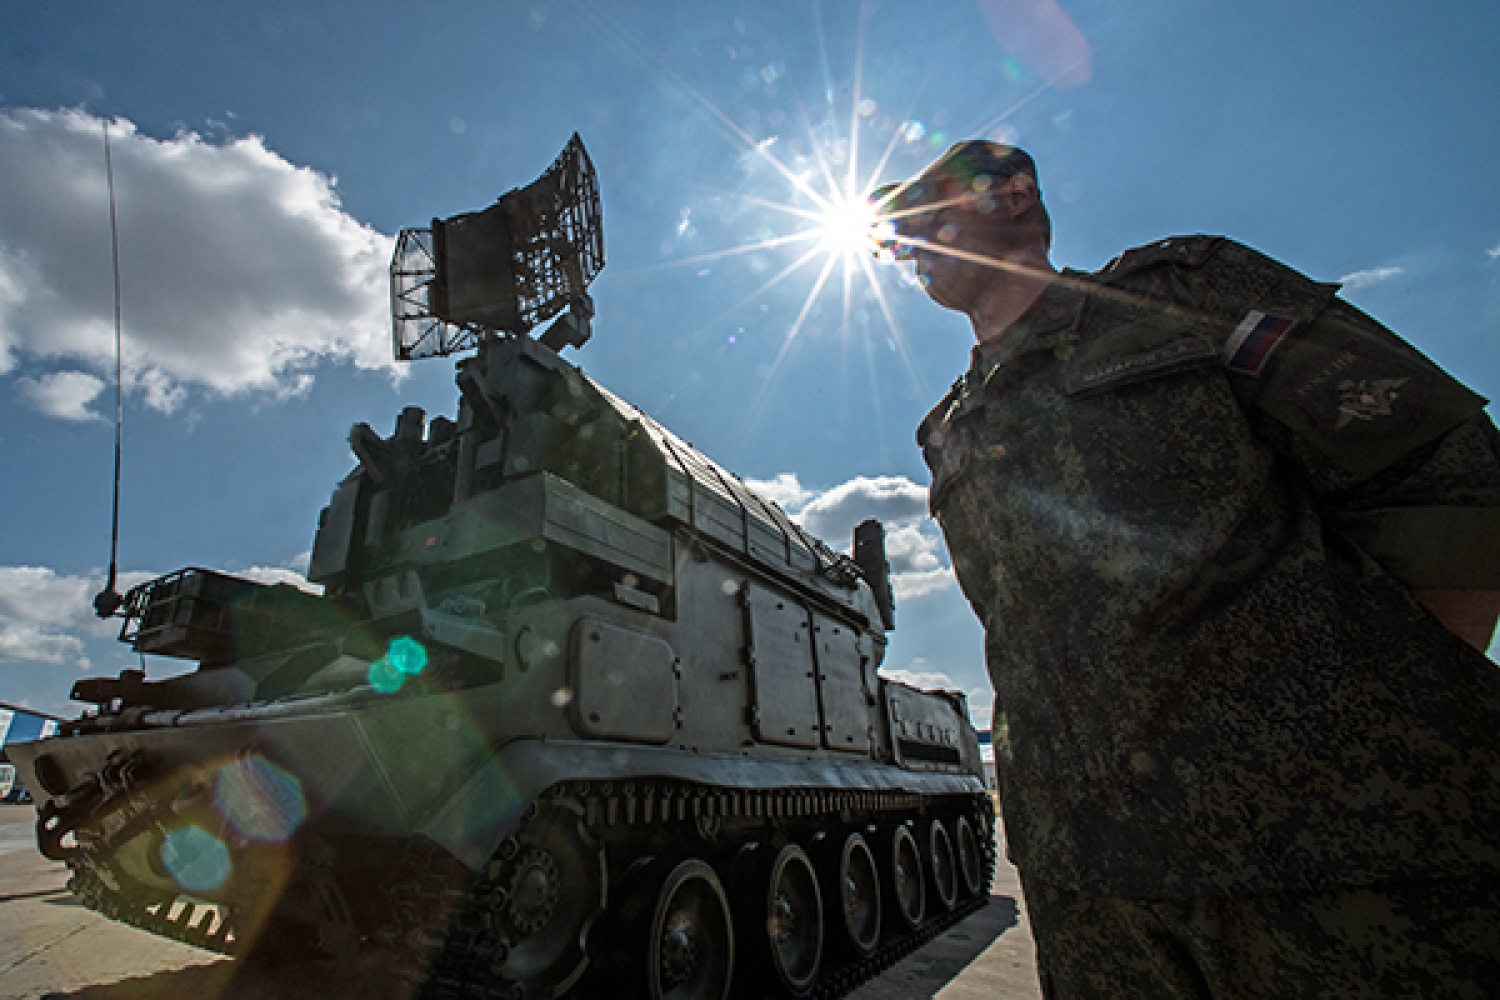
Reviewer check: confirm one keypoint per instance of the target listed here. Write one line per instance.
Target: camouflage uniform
(1189, 505)
(1438, 939)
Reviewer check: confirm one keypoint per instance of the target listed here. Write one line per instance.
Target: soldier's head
(977, 202)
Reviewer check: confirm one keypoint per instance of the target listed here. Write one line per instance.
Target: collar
(1049, 322)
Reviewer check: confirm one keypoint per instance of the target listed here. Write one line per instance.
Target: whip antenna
(108, 600)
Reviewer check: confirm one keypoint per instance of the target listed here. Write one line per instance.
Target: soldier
(1236, 550)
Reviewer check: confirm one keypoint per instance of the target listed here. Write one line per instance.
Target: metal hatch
(846, 697)
(779, 652)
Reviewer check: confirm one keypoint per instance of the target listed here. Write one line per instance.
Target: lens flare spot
(260, 800)
(384, 677)
(407, 654)
(196, 859)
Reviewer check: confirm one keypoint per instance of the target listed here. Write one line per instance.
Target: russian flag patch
(1252, 342)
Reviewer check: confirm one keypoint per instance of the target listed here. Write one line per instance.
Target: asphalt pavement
(52, 947)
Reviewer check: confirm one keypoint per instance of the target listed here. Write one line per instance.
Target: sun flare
(846, 226)
(809, 190)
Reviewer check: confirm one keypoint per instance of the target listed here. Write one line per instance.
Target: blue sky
(267, 153)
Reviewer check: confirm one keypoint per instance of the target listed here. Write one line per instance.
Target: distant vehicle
(19, 724)
(11, 789)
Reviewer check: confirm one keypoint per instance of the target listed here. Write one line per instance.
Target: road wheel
(941, 864)
(549, 890)
(690, 948)
(794, 921)
(859, 895)
(904, 877)
(970, 859)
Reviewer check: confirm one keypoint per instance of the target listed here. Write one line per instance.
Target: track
(644, 827)
(564, 909)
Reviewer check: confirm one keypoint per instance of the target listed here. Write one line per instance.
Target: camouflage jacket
(1189, 506)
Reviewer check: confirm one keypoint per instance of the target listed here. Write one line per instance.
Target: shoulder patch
(1252, 342)
(1109, 372)
(1356, 395)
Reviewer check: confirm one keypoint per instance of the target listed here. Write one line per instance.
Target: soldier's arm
(1433, 521)
(1400, 455)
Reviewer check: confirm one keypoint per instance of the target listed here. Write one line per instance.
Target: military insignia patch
(1252, 342)
(1353, 395)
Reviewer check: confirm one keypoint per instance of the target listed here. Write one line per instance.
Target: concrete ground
(989, 956)
(52, 947)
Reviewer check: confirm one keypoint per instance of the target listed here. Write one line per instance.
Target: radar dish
(506, 269)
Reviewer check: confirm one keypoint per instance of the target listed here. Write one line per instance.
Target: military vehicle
(576, 714)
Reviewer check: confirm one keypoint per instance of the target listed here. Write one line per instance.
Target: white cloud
(47, 618)
(1372, 276)
(279, 574)
(784, 490)
(911, 585)
(892, 500)
(1494, 252)
(913, 544)
(30, 644)
(240, 271)
(38, 596)
(919, 674)
(925, 679)
(918, 560)
(65, 394)
(981, 707)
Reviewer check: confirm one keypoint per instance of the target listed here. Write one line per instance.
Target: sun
(811, 195)
(845, 226)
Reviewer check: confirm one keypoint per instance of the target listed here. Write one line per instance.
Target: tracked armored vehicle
(576, 714)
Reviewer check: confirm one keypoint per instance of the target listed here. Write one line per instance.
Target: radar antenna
(108, 600)
(504, 270)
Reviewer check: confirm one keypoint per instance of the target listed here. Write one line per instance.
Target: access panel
(847, 698)
(778, 650)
